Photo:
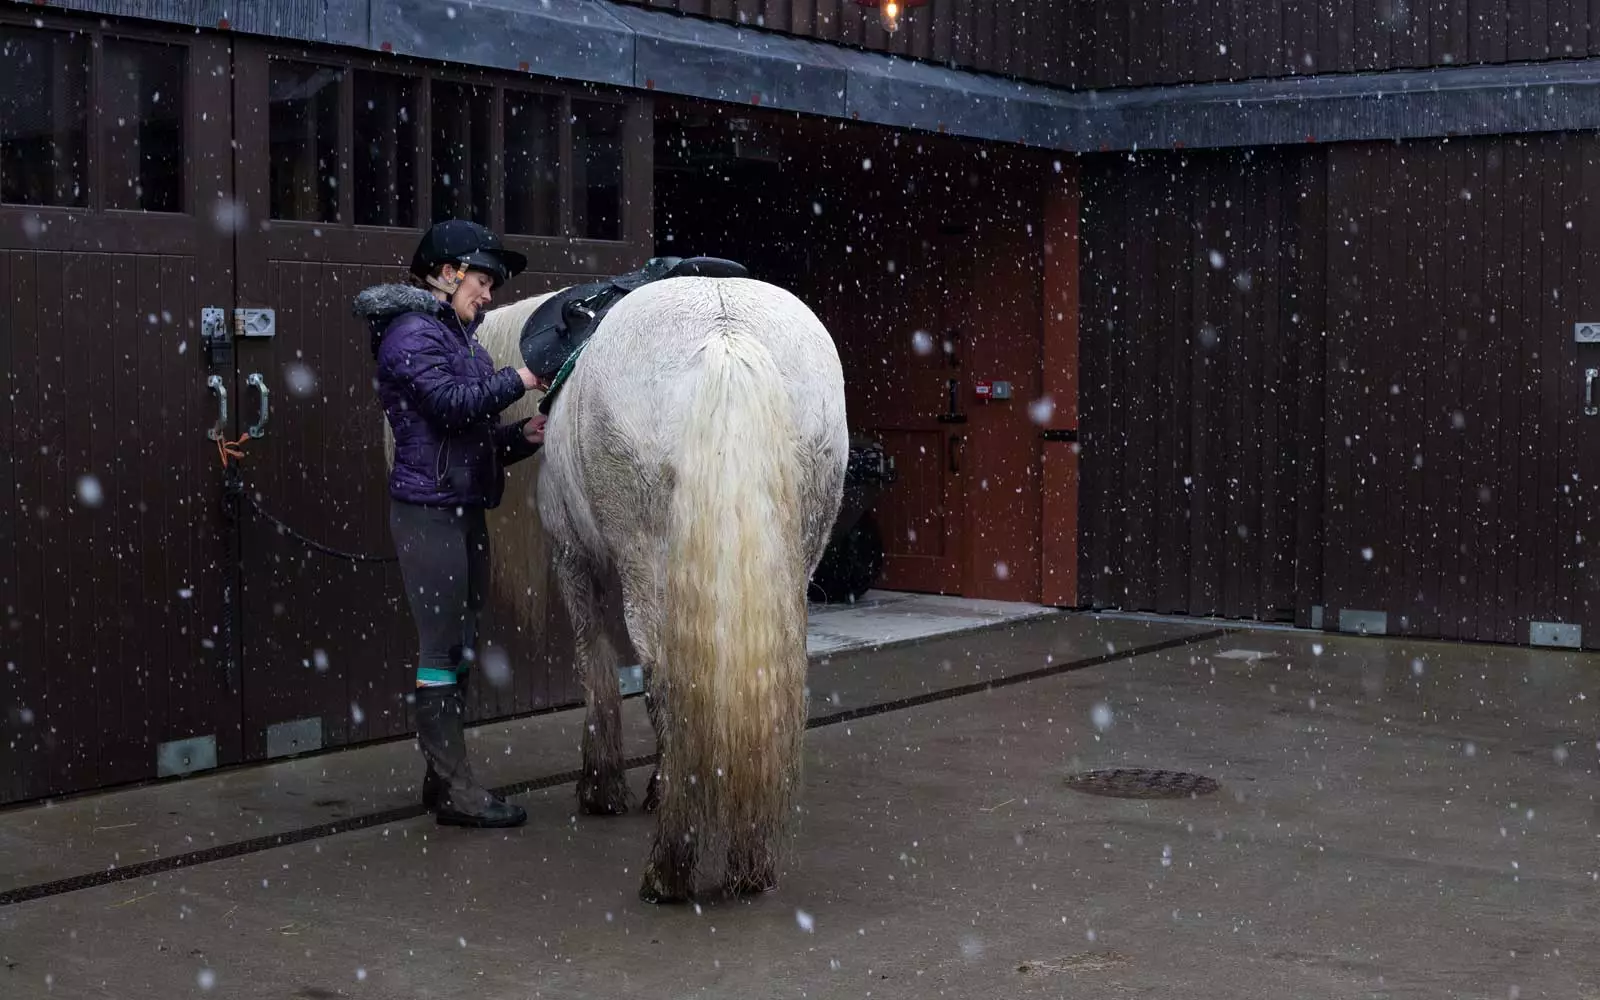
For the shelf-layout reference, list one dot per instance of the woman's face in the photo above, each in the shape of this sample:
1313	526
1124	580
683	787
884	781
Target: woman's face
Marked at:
472	296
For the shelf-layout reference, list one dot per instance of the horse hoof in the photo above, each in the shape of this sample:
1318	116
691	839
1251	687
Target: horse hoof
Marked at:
654	890
592	807
595	799
752	885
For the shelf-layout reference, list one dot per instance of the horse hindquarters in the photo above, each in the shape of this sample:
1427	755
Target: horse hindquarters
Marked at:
732	658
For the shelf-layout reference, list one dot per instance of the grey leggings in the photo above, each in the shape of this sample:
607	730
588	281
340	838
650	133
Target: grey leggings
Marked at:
444	561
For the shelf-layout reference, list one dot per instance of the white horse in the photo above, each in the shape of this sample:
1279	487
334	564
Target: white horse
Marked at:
696	458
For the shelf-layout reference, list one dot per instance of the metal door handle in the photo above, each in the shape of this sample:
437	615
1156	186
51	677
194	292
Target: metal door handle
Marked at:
259	428
952	413
219	430
1589	375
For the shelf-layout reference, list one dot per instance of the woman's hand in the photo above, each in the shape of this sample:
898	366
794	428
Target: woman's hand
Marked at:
533	430
529	382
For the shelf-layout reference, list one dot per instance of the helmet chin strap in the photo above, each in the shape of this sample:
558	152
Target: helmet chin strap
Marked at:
446	285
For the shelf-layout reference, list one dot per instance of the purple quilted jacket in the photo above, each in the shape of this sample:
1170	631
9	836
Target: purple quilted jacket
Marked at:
442	395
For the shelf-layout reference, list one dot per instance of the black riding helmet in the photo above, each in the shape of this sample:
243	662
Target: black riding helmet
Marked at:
466	244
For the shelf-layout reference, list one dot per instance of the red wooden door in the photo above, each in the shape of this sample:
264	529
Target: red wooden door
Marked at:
908	387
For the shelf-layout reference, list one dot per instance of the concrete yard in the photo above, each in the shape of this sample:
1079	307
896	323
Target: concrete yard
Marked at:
1394	819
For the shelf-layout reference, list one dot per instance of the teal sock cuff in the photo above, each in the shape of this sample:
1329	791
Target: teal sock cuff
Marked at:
434	677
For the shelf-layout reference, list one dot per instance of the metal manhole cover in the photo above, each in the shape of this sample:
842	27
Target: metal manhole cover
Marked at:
1142	783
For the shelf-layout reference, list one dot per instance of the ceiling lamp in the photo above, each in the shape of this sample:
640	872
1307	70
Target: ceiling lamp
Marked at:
889	11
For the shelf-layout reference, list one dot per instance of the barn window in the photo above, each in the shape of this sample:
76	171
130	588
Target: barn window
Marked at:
597	170
388	135
141	121
44	117
303	122
462	157
533	161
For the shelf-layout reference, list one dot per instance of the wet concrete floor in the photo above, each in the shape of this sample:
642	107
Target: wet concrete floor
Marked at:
1393	819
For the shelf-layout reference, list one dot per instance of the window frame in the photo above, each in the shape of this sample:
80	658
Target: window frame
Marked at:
634	211
95	174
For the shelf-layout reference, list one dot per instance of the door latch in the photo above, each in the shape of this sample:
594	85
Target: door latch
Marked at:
216	337
255	323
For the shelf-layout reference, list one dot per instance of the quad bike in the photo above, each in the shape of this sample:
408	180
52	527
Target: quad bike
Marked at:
854	557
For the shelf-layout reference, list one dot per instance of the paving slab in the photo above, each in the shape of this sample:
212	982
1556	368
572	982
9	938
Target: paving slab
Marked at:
1393	820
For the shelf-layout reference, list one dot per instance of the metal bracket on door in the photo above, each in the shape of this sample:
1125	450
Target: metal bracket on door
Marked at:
1557	634
255	323
285	739
1363	622
630	679
1589	375
186	756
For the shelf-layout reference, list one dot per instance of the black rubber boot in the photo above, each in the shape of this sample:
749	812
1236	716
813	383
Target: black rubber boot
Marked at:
432	789
458	799
432	784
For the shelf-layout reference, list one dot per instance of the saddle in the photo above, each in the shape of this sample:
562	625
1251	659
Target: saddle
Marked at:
555	334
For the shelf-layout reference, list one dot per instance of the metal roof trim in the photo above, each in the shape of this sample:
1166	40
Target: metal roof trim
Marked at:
564	39
608	43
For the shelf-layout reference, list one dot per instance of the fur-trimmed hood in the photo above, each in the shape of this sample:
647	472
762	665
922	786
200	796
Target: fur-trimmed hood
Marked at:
380	304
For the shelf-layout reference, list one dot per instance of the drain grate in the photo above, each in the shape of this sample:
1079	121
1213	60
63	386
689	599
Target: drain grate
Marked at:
1142	783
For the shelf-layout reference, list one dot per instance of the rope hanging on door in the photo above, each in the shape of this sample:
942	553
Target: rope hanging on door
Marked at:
231	454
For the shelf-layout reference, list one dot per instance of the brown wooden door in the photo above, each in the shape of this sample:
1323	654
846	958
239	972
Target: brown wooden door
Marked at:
113	551
326	639
908	386
1461	462
341	163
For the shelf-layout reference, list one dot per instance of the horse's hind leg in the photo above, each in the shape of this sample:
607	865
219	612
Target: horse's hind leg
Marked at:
670	873
652	704
641	609
753	845
603	784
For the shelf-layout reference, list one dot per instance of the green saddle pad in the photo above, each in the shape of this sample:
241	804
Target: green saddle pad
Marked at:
564	373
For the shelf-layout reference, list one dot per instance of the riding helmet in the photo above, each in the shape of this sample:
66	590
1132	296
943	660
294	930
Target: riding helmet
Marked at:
466	244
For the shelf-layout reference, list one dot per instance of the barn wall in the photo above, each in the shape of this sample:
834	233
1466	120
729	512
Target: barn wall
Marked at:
1344	386
1120	43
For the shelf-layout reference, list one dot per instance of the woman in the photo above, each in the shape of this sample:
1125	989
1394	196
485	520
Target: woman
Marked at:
442	396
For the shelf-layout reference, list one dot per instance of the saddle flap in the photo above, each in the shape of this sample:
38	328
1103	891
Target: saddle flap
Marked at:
555	329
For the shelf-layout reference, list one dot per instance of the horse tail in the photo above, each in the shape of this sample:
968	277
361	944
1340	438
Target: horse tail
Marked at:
733	655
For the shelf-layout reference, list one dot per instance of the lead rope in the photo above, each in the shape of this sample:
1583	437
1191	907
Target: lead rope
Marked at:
231	455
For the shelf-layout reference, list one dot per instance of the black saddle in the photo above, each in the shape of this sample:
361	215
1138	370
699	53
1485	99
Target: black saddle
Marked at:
559	327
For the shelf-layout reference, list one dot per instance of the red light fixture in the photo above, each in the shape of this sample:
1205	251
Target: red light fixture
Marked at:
889	11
